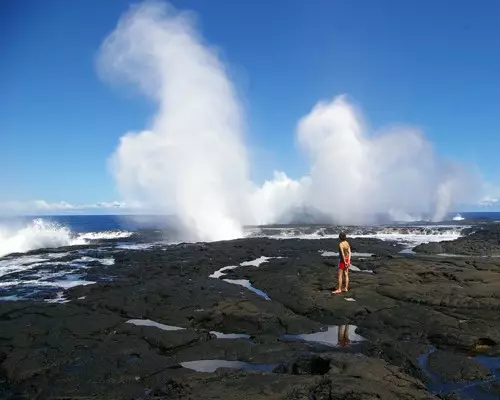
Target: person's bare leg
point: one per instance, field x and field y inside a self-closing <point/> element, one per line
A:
<point x="339" y="284"/>
<point x="346" y="272"/>
<point x="340" y="334"/>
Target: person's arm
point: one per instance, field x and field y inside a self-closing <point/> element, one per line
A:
<point x="346" y="254"/>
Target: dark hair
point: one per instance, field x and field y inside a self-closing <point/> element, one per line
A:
<point x="342" y="236"/>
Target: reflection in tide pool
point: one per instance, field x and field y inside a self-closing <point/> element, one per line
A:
<point x="337" y="335"/>
<point x="213" y="365"/>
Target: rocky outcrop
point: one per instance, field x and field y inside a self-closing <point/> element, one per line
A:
<point x="402" y="306"/>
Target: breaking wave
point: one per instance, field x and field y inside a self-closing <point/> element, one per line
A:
<point x="105" y="235"/>
<point x="407" y="235"/>
<point x="41" y="233"/>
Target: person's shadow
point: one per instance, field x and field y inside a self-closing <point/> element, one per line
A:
<point x="343" y="335"/>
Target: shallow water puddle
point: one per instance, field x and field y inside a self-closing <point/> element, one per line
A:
<point x="148" y="322"/>
<point x="221" y="335"/>
<point x="407" y="251"/>
<point x="246" y="283"/>
<point x="213" y="365"/>
<point x="253" y="263"/>
<point x="220" y="272"/>
<point x="335" y="335"/>
<point x="474" y="389"/>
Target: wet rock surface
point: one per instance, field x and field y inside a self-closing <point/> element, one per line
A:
<point x="456" y="368"/>
<point x="482" y="240"/>
<point x="402" y="306"/>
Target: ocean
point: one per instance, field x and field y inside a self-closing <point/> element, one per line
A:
<point x="73" y="243"/>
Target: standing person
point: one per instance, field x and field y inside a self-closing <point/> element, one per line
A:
<point x="344" y="263"/>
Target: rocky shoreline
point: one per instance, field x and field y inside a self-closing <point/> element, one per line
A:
<point x="411" y="327"/>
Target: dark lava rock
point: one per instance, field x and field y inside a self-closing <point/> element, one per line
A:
<point x="452" y="367"/>
<point x="352" y="377"/>
<point x="492" y="388"/>
<point x="305" y="365"/>
<point x="85" y="348"/>
<point x="451" y="396"/>
<point x="481" y="240"/>
<point x="429" y="248"/>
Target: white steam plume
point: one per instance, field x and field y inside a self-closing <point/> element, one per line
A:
<point x="192" y="161"/>
<point x="355" y="175"/>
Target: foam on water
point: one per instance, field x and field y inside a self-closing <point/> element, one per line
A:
<point x="137" y="246"/>
<point x="103" y="261"/>
<point x="410" y="235"/>
<point x="41" y="233"/>
<point x="26" y="276"/>
<point x="15" y="264"/>
<point x="105" y="235"/>
<point x="38" y="234"/>
<point x="414" y="236"/>
<point x="458" y="217"/>
<point x="58" y="299"/>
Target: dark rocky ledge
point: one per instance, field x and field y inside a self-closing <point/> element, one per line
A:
<point x="418" y="315"/>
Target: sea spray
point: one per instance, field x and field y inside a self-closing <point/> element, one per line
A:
<point x="38" y="233"/>
<point x="192" y="161"/>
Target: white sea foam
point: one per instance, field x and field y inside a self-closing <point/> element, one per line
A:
<point x="58" y="299"/>
<point x="407" y="235"/>
<point x="103" y="235"/>
<point x="42" y="233"/>
<point x="413" y="239"/>
<point x="458" y="217"/>
<point x="64" y="284"/>
<point x="103" y="261"/>
<point x="37" y="234"/>
<point x="137" y="246"/>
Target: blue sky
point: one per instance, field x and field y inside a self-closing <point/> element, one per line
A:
<point x="433" y="65"/>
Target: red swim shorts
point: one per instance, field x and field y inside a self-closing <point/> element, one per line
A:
<point x="342" y="264"/>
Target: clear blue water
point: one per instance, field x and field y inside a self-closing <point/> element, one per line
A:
<point x="96" y="223"/>
<point x="495" y="216"/>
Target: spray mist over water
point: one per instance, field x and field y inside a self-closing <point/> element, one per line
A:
<point x="192" y="161"/>
<point x="38" y="234"/>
